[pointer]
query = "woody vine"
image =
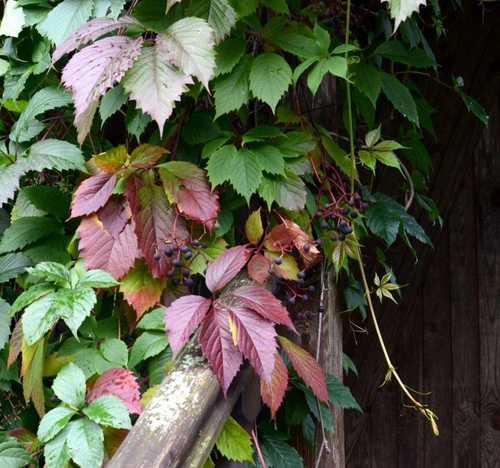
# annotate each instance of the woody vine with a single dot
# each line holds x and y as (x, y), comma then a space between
(153, 152)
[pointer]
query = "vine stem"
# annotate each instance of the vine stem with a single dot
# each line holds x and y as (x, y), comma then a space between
(429, 414)
(348, 92)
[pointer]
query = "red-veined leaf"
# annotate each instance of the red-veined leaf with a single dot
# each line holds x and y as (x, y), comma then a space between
(258, 268)
(256, 339)
(288, 234)
(182, 318)
(140, 289)
(108, 241)
(307, 367)
(272, 394)
(226, 267)
(156, 224)
(188, 187)
(217, 345)
(92, 194)
(120, 383)
(264, 303)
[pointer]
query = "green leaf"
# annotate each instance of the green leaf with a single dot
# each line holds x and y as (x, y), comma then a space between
(401, 10)
(69, 386)
(51, 271)
(234, 442)
(397, 52)
(368, 159)
(368, 80)
(475, 107)
(65, 19)
(97, 279)
(12, 265)
(340, 395)
(149, 344)
(228, 54)
(288, 192)
(269, 159)
(222, 18)
(153, 321)
(112, 102)
(13, 454)
(115, 351)
(25, 231)
(48, 199)
(137, 122)
(85, 443)
(13, 20)
(348, 365)
(43, 100)
(109, 411)
(337, 66)
(339, 156)
(232, 91)
(56, 451)
(57, 154)
(278, 454)
(54, 422)
(400, 97)
(5, 319)
(39, 318)
(270, 78)
(279, 6)
(75, 306)
(253, 227)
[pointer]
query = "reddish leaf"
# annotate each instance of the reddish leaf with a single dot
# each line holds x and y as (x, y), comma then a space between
(16, 343)
(183, 317)
(256, 339)
(108, 241)
(141, 290)
(226, 267)
(258, 268)
(272, 394)
(146, 156)
(120, 383)
(217, 345)
(287, 235)
(156, 224)
(92, 194)
(307, 367)
(111, 161)
(264, 303)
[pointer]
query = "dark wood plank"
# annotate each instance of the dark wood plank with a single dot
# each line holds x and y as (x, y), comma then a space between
(488, 231)
(437, 363)
(464, 327)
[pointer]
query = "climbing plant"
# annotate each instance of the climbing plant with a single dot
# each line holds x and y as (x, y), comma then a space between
(165, 181)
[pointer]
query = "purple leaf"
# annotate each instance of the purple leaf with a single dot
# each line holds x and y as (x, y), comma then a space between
(95, 69)
(226, 267)
(256, 339)
(92, 194)
(264, 303)
(217, 345)
(183, 317)
(89, 32)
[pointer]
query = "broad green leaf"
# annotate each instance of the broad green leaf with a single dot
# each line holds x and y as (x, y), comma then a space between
(475, 107)
(39, 318)
(48, 199)
(51, 271)
(13, 20)
(400, 10)
(25, 231)
(5, 319)
(85, 442)
(56, 451)
(69, 386)
(109, 411)
(270, 78)
(24, 208)
(57, 154)
(228, 55)
(65, 19)
(153, 321)
(115, 351)
(54, 422)
(149, 344)
(232, 90)
(43, 100)
(13, 454)
(261, 133)
(368, 159)
(111, 103)
(222, 18)
(339, 156)
(288, 192)
(278, 454)
(400, 97)
(279, 6)
(337, 66)
(75, 306)
(269, 158)
(12, 265)
(234, 442)
(368, 80)
(388, 158)
(397, 52)
(340, 395)
(29, 296)
(137, 121)
(299, 71)
(97, 279)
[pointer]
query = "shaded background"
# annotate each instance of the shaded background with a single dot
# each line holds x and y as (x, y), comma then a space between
(445, 336)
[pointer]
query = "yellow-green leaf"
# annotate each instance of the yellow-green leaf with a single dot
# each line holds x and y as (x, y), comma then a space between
(234, 442)
(253, 227)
